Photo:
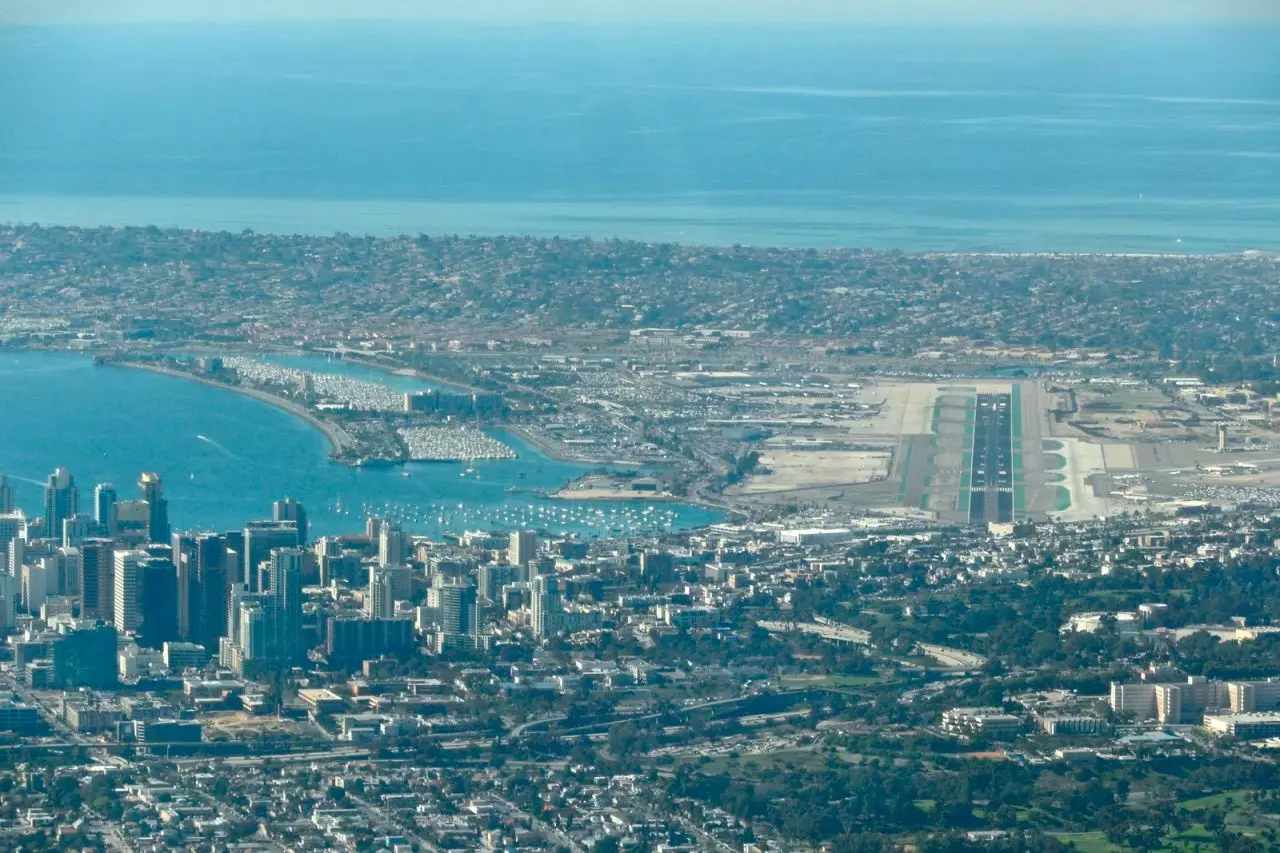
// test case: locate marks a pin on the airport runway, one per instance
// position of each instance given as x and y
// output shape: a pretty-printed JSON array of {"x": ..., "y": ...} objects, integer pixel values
[{"x": 991, "y": 473}]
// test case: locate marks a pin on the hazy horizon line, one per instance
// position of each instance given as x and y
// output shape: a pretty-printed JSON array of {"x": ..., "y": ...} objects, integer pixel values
[
  {"x": 910, "y": 13},
  {"x": 1021, "y": 23}
]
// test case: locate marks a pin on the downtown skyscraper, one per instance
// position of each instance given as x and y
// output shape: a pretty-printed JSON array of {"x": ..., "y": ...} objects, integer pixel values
[
  {"x": 145, "y": 597},
  {"x": 104, "y": 508},
  {"x": 152, "y": 491},
  {"x": 264, "y": 627},
  {"x": 290, "y": 510},
  {"x": 260, "y": 539},
  {"x": 61, "y": 501},
  {"x": 284, "y": 597},
  {"x": 459, "y": 617}
]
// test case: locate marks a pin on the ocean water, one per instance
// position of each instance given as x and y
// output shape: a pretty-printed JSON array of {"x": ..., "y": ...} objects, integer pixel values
[
  {"x": 225, "y": 457},
  {"x": 1016, "y": 139}
]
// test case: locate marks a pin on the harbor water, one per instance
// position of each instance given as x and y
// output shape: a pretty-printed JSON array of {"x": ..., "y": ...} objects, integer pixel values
[{"x": 224, "y": 457}]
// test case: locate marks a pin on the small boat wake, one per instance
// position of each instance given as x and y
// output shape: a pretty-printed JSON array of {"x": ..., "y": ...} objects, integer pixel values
[{"x": 216, "y": 445}]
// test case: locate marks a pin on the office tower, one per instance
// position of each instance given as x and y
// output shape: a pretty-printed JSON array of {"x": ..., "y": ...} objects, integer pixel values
[
  {"x": 350, "y": 640},
  {"x": 260, "y": 539},
  {"x": 544, "y": 605},
  {"x": 523, "y": 548},
  {"x": 61, "y": 500},
  {"x": 391, "y": 544},
  {"x": 146, "y": 597},
  {"x": 158, "y": 605},
  {"x": 284, "y": 598},
  {"x": 126, "y": 589},
  {"x": 97, "y": 569},
  {"x": 290, "y": 510},
  {"x": 230, "y": 643},
  {"x": 347, "y": 566},
  {"x": 328, "y": 551},
  {"x": 381, "y": 602},
  {"x": 233, "y": 561},
  {"x": 104, "y": 508},
  {"x": 185, "y": 569},
  {"x": 265, "y": 627},
  {"x": 572, "y": 549},
  {"x": 60, "y": 570},
  {"x": 328, "y": 546},
  {"x": 133, "y": 523},
  {"x": 158, "y": 549},
  {"x": 458, "y": 613},
  {"x": 6, "y": 496},
  {"x": 85, "y": 656},
  {"x": 493, "y": 577},
  {"x": 211, "y": 589},
  {"x": 180, "y": 657},
  {"x": 657, "y": 568},
  {"x": 17, "y": 556},
  {"x": 235, "y": 542},
  {"x": 401, "y": 582},
  {"x": 13, "y": 525},
  {"x": 68, "y": 572},
  {"x": 152, "y": 491},
  {"x": 253, "y": 632},
  {"x": 372, "y": 527},
  {"x": 8, "y": 602},
  {"x": 200, "y": 561},
  {"x": 75, "y": 530},
  {"x": 35, "y": 585}
]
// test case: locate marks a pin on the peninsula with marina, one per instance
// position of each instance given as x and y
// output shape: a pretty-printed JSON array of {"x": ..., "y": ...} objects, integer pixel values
[{"x": 366, "y": 422}]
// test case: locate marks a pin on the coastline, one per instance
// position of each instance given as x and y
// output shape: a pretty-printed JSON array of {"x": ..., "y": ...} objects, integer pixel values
[
  {"x": 339, "y": 440},
  {"x": 260, "y": 458},
  {"x": 593, "y": 495},
  {"x": 541, "y": 445},
  {"x": 551, "y": 450},
  {"x": 568, "y": 494},
  {"x": 759, "y": 225}
]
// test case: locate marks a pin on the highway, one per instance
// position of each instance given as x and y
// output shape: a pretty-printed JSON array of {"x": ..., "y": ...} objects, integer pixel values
[{"x": 831, "y": 631}]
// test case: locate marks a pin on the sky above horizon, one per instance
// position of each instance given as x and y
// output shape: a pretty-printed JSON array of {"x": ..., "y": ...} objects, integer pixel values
[{"x": 641, "y": 11}]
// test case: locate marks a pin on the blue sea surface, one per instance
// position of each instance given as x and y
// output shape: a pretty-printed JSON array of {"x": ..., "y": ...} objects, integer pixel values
[
  {"x": 224, "y": 457},
  {"x": 1118, "y": 138}
]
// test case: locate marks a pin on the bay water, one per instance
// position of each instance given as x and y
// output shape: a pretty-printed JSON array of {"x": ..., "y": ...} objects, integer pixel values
[{"x": 224, "y": 457}]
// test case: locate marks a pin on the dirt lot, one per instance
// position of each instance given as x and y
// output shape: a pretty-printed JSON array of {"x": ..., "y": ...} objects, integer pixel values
[
  {"x": 788, "y": 470},
  {"x": 237, "y": 724}
]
